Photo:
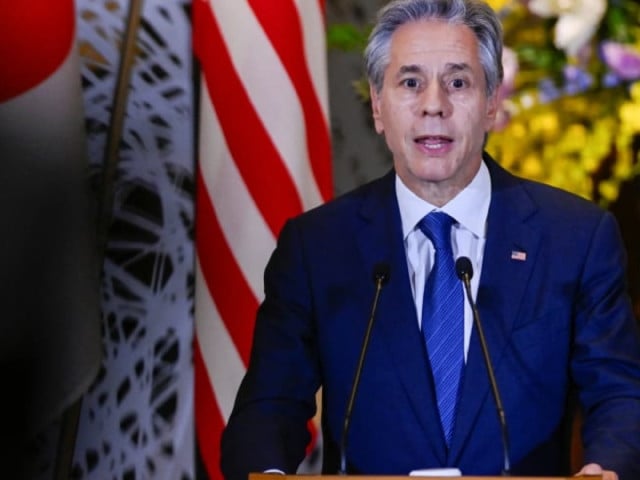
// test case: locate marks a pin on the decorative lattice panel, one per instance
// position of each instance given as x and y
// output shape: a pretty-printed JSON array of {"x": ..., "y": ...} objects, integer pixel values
[{"x": 136, "y": 421}]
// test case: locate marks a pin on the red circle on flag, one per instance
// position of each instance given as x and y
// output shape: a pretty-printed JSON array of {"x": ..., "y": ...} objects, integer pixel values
[{"x": 35, "y": 39}]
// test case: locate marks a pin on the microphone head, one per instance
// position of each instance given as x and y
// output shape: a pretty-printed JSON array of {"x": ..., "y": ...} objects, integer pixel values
[
  {"x": 381, "y": 273},
  {"x": 464, "y": 268}
]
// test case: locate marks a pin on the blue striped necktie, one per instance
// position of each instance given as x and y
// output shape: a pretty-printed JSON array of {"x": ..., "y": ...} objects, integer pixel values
[{"x": 442, "y": 319}]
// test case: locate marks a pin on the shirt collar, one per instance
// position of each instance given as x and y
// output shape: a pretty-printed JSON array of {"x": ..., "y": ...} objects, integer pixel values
[{"x": 470, "y": 207}]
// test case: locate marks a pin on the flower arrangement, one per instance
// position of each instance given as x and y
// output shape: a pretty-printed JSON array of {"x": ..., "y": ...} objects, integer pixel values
[
  {"x": 570, "y": 111},
  {"x": 570, "y": 114}
]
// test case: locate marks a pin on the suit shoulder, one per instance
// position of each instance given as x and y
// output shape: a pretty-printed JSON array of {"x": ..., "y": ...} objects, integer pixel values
[
  {"x": 347, "y": 205},
  {"x": 552, "y": 202},
  {"x": 556, "y": 201}
]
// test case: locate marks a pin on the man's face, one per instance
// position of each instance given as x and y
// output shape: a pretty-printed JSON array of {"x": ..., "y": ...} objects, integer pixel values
[{"x": 433, "y": 108}]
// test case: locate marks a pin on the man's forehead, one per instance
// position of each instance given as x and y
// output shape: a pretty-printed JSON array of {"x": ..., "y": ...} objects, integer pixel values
[{"x": 430, "y": 37}]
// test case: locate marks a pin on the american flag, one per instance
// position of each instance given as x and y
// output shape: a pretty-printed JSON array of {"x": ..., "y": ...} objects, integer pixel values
[
  {"x": 264, "y": 156},
  {"x": 518, "y": 255}
]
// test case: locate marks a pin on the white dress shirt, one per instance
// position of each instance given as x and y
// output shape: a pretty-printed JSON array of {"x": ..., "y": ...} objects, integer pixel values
[{"x": 468, "y": 236}]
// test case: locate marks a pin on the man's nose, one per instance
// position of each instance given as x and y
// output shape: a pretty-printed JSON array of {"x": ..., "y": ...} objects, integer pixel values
[{"x": 434, "y": 101}]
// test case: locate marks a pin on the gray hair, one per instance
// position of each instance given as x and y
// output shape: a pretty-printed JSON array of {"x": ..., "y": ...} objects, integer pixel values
[{"x": 475, "y": 14}]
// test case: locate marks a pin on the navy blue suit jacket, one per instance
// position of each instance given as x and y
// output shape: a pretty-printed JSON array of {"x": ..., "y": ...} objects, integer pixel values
[{"x": 557, "y": 321}]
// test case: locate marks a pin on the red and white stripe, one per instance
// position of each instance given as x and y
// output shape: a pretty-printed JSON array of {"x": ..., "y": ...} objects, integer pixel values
[{"x": 264, "y": 156}]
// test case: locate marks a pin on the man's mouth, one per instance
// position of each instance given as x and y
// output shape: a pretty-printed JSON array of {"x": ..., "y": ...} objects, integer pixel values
[{"x": 433, "y": 142}]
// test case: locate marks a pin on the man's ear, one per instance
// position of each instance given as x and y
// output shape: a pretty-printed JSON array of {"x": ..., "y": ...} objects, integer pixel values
[
  {"x": 375, "y": 109},
  {"x": 493, "y": 104}
]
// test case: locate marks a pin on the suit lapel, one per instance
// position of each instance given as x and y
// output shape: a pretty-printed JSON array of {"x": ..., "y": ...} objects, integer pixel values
[
  {"x": 509, "y": 256},
  {"x": 380, "y": 240}
]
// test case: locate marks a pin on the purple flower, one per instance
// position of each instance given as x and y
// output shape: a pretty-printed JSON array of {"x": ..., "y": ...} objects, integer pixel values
[
  {"x": 610, "y": 80},
  {"x": 623, "y": 60},
  {"x": 576, "y": 80},
  {"x": 548, "y": 90}
]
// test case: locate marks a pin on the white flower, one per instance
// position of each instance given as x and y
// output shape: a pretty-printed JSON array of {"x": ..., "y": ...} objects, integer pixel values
[
  {"x": 510, "y": 67},
  {"x": 577, "y": 21}
]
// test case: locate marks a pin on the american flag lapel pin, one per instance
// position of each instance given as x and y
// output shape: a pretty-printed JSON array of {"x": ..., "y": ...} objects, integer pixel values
[{"x": 518, "y": 255}]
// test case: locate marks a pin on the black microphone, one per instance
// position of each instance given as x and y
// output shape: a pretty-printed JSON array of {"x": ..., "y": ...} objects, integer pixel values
[
  {"x": 465, "y": 272},
  {"x": 381, "y": 274}
]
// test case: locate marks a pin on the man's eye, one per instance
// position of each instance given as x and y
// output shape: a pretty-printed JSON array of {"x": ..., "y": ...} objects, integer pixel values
[
  {"x": 411, "y": 82},
  {"x": 458, "y": 83}
]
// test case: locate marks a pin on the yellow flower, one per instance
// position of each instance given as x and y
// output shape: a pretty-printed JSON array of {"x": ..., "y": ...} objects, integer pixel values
[
  {"x": 574, "y": 138},
  {"x": 545, "y": 125},
  {"x": 630, "y": 116},
  {"x": 635, "y": 91},
  {"x": 609, "y": 190},
  {"x": 532, "y": 167},
  {"x": 498, "y": 5}
]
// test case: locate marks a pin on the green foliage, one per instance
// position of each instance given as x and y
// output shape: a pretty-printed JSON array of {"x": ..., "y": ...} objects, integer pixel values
[{"x": 347, "y": 37}]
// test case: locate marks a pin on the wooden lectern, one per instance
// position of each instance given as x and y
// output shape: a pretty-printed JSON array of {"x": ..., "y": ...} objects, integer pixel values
[{"x": 270, "y": 476}]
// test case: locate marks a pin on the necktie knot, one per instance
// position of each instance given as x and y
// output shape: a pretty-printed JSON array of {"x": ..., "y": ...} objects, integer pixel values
[{"x": 437, "y": 227}]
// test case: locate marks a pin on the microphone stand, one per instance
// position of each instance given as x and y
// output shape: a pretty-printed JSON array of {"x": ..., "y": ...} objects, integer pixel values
[
  {"x": 380, "y": 277},
  {"x": 465, "y": 276}
]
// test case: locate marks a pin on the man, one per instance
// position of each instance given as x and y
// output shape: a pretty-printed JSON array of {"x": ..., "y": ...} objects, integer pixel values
[{"x": 549, "y": 286}]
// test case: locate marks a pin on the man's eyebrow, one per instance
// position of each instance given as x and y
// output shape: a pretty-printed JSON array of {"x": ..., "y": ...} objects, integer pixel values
[
  {"x": 409, "y": 69},
  {"x": 458, "y": 67},
  {"x": 449, "y": 67}
]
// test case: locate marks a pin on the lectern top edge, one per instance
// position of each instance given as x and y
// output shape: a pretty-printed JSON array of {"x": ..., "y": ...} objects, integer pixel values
[{"x": 270, "y": 476}]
